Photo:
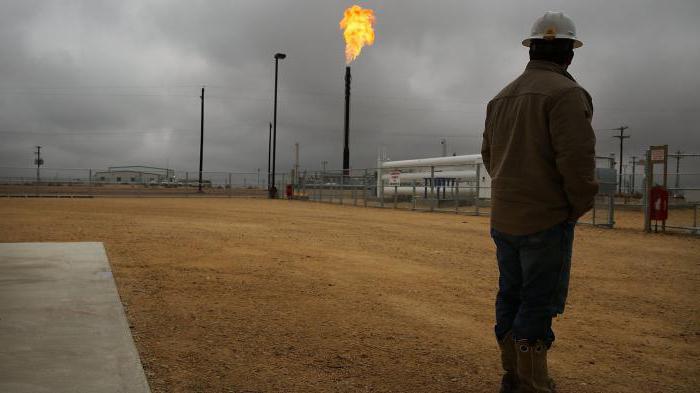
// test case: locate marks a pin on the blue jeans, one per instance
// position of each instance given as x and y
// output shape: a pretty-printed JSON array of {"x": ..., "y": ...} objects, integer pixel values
[{"x": 534, "y": 281}]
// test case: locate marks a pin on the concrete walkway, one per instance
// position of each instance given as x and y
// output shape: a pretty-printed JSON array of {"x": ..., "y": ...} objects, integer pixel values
[{"x": 62, "y": 325}]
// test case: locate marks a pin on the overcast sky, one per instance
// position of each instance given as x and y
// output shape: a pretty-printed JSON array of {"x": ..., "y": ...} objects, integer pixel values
[{"x": 102, "y": 83}]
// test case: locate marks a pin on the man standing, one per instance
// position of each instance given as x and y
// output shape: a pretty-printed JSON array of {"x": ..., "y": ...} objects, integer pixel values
[{"x": 539, "y": 149}]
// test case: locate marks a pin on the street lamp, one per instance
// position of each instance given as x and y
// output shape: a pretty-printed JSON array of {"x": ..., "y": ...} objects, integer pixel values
[
  {"x": 269, "y": 155},
  {"x": 273, "y": 189}
]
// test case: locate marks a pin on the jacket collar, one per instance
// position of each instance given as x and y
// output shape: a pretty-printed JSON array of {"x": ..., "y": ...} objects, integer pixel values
[{"x": 548, "y": 66}]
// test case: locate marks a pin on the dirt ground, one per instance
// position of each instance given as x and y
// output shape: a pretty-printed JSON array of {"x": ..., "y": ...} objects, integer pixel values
[
  {"x": 116, "y": 190},
  {"x": 253, "y": 295}
]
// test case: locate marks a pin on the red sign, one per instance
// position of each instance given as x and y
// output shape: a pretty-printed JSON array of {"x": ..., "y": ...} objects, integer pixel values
[{"x": 658, "y": 203}]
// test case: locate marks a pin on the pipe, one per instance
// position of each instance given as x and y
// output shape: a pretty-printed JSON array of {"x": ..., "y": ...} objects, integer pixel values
[
  {"x": 408, "y": 190},
  {"x": 437, "y": 161},
  {"x": 465, "y": 174}
]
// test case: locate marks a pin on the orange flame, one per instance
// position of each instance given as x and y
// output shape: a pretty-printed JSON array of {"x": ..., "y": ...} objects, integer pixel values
[{"x": 357, "y": 30}]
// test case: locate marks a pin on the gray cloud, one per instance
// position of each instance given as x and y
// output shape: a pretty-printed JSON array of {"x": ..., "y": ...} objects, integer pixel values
[{"x": 101, "y": 83}]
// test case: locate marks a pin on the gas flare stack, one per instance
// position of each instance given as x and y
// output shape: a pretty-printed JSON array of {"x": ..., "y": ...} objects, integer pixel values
[
  {"x": 357, "y": 31},
  {"x": 346, "y": 148}
]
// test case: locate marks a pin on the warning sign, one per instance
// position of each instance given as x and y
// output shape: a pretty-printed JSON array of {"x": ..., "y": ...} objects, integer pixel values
[
  {"x": 395, "y": 178},
  {"x": 658, "y": 155}
]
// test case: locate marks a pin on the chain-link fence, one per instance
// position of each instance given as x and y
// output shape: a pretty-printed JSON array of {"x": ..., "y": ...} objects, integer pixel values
[
  {"x": 683, "y": 185},
  {"x": 436, "y": 188},
  {"x": 603, "y": 212},
  {"x": 462, "y": 189},
  {"x": 130, "y": 181}
]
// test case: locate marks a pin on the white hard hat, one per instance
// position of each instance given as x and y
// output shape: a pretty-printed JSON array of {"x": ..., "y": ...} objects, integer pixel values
[{"x": 553, "y": 25}]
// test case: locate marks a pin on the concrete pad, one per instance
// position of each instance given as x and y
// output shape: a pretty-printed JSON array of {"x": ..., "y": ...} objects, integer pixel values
[{"x": 62, "y": 325}]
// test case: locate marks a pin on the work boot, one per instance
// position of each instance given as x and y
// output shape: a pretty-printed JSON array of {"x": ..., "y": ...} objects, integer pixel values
[
  {"x": 533, "y": 376},
  {"x": 509, "y": 382}
]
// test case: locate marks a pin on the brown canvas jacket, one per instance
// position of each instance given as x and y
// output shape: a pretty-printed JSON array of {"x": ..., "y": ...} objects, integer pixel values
[{"x": 539, "y": 148}]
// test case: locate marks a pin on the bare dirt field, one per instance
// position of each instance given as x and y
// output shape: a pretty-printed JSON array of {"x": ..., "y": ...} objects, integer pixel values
[
  {"x": 116, "y": 190},
  {"x": 254, "y": 295}
]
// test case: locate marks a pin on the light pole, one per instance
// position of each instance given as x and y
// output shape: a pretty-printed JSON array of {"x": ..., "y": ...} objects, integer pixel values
[
  {"x": 269, "y": 154},
  {"x": 201, "y": 144},
  {"x": 273, "y": 189}
]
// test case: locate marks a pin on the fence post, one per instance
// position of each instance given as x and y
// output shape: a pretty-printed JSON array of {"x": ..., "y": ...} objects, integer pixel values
[
  {"x": 593, "y": 213},
  {"x": 283, "y": 187},
  {"x": 381, "y": 189},
  {"x": 611, "y": 211},
  {"x": 90, "y": 181},
  {"x": 396, "y": 195},
  {"x": 333, "y": 191},
  {"x": 139, "y": 190},
  {"x": 432, "y": 188},
  {"x": 611, "y": 200},
  {"x": 478, "y": 188},
  {"x": 320, "y": 188},
  {"x": 413, "y": 195},
  {"x": 354, "y": 194},
  {"x": 230, "y": 186},
  {"x": 364, "y": 192},
  {"x": 456, "y": 195},
  {"x": 645, "y": 197}
]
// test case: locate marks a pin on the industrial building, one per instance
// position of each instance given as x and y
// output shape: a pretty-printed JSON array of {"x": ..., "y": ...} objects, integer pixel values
[{"x": 135, "y": 175}]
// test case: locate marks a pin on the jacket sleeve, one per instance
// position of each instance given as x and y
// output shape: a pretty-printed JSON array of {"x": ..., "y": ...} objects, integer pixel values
[
  {"x": 486, "y": 143},
  {"x": 573, "y": 141}
]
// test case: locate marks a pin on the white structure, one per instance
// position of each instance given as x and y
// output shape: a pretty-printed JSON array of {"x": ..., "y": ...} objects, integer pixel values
[{"x": 444, "y": 175}]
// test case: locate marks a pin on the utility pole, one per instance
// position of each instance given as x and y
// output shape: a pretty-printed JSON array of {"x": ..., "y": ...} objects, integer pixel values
[
  {"x": 621, "y": 137},
  {"x": 443, "y": 142},
  {"x": 678, "y": 168},
  {"x": 296, "y": 164},
  {"x": 39, "y": 162},
  {"x": 201, "y": 143},
  {"x": 634, "y": 168}
]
